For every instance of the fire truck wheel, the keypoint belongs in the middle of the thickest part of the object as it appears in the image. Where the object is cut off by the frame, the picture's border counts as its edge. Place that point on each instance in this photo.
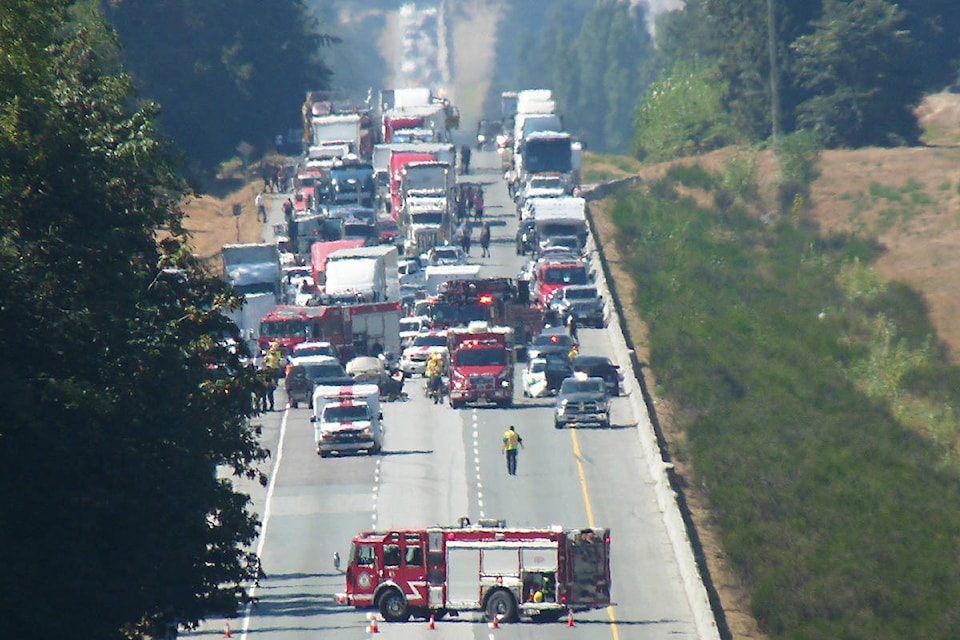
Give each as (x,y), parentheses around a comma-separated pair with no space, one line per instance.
(393,606)
(293,404)
(502,606)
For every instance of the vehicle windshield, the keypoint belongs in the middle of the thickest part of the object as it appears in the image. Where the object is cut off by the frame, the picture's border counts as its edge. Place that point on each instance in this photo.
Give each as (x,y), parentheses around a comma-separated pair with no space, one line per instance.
(287,329)
(481,358)
(410,325)
(430,341)
(547,156)
(576,293)
(538,366)
(446,254)
(346,413)
(565,275)
(546,183)
(426,177)
(427,217)
(581,386)
(328,370)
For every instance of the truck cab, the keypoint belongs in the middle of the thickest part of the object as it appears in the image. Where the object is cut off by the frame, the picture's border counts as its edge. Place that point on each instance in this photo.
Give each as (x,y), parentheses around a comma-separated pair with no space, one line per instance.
(481,364)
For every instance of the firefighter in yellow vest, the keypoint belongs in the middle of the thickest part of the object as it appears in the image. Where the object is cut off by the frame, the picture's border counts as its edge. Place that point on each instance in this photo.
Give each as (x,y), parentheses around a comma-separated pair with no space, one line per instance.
(512,442)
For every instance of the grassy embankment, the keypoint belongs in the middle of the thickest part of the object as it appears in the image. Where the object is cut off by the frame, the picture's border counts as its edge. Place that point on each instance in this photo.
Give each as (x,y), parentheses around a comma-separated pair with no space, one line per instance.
(818,407)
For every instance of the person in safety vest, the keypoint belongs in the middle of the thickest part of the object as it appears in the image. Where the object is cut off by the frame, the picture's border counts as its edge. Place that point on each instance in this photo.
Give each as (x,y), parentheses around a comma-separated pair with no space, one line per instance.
(434,376)
(511,443)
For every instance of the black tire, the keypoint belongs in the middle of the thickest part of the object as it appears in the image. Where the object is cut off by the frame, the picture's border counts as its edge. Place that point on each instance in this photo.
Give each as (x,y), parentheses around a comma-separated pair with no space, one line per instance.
(293,404)
(393,606)
(323,454)
(605,424)
(557,425)
(502,606)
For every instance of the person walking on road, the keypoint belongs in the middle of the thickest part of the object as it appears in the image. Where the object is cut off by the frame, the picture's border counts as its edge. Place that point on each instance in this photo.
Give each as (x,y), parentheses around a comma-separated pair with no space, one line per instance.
(485,240)
(261,207)
(512,442)
(465,159)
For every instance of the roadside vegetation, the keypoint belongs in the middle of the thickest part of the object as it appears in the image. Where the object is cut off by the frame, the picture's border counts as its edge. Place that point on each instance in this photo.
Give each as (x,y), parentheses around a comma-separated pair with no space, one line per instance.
(820,411)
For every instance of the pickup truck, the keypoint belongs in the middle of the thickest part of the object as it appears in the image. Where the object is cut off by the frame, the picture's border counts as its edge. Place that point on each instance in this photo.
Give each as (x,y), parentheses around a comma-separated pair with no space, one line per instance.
(582,400)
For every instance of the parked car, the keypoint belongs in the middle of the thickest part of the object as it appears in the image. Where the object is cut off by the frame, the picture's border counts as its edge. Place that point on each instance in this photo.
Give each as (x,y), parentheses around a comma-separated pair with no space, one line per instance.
(555,340)
(600,367)
(583,302)
(446,255)
(305,349)
(307,372)
(544,375)
(410,328)
(413,360)
(582,400)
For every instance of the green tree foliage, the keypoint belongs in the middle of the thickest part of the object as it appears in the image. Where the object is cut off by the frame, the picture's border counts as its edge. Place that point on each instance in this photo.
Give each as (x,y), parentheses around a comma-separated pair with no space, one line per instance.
(224,71)
(121,397)
(594,53)
(682,114)
(854,69)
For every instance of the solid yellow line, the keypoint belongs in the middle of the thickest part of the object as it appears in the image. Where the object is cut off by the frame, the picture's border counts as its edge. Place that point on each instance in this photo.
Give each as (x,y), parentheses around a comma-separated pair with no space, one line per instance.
(586,502)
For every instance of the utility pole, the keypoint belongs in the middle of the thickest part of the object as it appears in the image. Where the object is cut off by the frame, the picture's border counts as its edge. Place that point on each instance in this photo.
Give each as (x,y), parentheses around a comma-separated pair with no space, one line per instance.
(774,79)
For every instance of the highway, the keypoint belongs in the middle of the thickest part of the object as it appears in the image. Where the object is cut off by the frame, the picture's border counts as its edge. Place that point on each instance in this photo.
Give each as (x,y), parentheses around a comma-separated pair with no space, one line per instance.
(439,464)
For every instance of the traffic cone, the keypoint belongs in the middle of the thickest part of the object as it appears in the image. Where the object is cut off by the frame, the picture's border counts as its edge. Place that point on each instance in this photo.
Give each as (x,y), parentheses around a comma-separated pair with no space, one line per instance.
(372,627)
(226,632)
(569,617)
(432,625)
(496,622)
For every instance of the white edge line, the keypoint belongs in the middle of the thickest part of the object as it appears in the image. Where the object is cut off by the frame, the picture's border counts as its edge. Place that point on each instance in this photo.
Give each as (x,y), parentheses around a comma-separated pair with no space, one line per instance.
(271,485)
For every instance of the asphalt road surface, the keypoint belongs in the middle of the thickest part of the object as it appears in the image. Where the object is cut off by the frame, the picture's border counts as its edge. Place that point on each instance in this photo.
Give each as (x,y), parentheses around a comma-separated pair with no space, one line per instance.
(439,464)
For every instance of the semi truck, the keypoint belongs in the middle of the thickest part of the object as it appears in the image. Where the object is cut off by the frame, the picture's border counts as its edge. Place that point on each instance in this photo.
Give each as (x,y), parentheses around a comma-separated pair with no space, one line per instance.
(506,573)
(481,364)
(346,419)
(365,274)
(253,271)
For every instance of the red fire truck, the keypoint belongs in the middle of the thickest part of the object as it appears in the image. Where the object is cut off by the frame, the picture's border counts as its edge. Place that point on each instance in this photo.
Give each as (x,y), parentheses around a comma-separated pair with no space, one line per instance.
(481,364)
(505,573)
(354,329)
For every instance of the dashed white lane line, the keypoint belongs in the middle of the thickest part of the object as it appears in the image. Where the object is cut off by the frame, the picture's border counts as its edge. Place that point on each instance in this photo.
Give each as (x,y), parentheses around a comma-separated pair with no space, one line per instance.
(476,460)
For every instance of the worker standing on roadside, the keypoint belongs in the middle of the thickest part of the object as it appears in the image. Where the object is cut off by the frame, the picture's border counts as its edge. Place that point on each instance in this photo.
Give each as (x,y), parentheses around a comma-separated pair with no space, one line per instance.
(512,442)
(261,207)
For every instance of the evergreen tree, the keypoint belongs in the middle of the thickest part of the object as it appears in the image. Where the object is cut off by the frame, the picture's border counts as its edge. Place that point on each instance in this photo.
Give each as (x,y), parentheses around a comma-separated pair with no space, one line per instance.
(122,395)
(855,69)
(224,71)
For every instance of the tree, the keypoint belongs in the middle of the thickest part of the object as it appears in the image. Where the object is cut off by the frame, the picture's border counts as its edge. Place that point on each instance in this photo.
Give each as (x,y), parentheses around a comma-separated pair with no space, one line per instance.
(682,114)
(628,45)
(855,69)
(123,396)
(225,71)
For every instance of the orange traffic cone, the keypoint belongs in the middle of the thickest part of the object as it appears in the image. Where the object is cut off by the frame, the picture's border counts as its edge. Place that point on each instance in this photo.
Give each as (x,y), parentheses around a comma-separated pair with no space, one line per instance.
(432,625)
(372,627)
(496,622)
(569,617)
(226,633)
